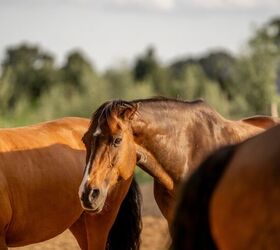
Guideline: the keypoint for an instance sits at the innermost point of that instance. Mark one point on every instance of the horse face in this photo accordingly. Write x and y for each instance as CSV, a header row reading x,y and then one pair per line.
x,y
111,157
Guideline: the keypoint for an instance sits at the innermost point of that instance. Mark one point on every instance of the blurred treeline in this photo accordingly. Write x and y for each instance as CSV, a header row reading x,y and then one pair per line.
x,y
33,87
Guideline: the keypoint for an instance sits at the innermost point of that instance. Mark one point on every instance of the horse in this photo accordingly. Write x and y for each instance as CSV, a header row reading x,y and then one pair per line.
x,y
41,167
165,137
232,201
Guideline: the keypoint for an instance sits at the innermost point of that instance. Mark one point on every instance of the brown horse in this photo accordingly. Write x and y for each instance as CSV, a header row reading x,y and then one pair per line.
x,y
167,138
41,167
232,201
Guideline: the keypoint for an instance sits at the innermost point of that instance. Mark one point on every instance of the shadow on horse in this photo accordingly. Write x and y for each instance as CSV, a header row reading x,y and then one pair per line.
x,y
41,167
167,138
232,201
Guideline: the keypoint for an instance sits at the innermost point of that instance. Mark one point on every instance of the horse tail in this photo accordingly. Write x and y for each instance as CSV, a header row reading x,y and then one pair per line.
x,y
125,233
191,227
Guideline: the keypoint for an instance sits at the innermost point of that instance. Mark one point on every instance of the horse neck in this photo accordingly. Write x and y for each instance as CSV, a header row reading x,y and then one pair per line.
x,y
241,131
176,138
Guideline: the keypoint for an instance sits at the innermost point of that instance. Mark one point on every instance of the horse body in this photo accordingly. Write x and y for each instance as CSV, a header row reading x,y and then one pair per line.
x,y
232,200
179,139
37,194
168,137
40,170
249,194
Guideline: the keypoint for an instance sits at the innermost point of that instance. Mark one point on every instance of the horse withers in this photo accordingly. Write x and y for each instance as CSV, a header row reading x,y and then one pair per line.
x,y
167,138
232,201
41,168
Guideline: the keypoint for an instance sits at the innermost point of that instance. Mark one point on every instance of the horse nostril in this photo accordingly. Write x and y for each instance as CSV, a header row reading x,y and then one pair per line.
x,y
95,192
84,196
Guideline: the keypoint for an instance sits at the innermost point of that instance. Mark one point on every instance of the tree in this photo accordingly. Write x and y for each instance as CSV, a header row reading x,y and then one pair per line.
x,y
148,69
145,65
258,67
76,70
218,66
28,71
195,84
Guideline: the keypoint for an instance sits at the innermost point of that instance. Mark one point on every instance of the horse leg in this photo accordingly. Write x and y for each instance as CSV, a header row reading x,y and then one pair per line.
x,y
78,229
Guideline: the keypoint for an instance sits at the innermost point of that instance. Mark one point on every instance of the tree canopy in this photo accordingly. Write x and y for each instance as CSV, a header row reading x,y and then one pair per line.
x,y
34,87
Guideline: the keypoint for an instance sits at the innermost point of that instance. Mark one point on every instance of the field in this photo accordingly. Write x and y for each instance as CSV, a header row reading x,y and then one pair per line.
x,y
154,235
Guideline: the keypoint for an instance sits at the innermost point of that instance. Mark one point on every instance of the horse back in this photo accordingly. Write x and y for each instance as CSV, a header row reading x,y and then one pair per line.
x,y
67,131
262,121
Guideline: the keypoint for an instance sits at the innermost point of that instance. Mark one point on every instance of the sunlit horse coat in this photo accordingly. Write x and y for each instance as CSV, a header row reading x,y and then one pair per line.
x,y
232,201
41,167
167,138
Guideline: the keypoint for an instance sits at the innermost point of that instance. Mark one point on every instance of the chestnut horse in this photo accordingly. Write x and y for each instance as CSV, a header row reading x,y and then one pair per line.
x,y
41,167
167,138
232,201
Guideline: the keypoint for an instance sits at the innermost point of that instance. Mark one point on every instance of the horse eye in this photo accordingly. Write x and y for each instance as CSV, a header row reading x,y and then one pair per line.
x,y
117,141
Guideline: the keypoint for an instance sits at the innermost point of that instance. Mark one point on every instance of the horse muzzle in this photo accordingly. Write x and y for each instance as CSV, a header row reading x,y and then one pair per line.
x,y
92,199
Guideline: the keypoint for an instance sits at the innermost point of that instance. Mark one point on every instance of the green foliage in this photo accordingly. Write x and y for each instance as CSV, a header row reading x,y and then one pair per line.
x,y
141,176
218,66
194,84
145,65
256,76
257,69
34,88
29,71
77,70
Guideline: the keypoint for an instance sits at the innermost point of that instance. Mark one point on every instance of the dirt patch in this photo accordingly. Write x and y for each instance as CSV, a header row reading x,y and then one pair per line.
x,y
154,235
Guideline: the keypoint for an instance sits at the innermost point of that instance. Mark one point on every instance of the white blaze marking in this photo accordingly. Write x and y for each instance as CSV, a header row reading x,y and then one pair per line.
x,y
86,175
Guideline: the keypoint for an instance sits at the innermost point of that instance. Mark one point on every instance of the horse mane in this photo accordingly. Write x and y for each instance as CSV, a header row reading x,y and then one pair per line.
x,y
169,100
103,113
118,107
109,108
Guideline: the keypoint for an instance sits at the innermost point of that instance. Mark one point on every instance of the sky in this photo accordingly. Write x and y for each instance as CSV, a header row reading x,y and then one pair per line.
x,y
111,32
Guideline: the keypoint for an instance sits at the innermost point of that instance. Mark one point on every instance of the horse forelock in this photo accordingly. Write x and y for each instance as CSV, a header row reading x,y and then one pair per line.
x,y
106,111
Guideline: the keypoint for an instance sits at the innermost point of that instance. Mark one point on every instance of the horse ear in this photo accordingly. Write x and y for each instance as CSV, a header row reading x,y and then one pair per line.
x,y
128,112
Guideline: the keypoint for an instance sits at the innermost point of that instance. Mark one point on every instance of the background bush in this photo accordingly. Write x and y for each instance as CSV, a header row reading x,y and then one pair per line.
x,y
33,87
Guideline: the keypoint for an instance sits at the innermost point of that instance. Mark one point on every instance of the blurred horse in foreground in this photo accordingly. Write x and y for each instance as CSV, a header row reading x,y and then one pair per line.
x,y
167,138
232,201
41,167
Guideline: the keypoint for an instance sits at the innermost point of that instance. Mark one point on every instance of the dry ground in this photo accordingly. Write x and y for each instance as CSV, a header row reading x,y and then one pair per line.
x,y
154,235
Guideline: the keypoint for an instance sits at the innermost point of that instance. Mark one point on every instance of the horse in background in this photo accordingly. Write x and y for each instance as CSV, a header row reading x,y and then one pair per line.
x,y
232,201
41,167
167,138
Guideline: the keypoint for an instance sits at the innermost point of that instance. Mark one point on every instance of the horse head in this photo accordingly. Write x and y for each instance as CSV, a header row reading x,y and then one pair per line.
x,y
111,153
